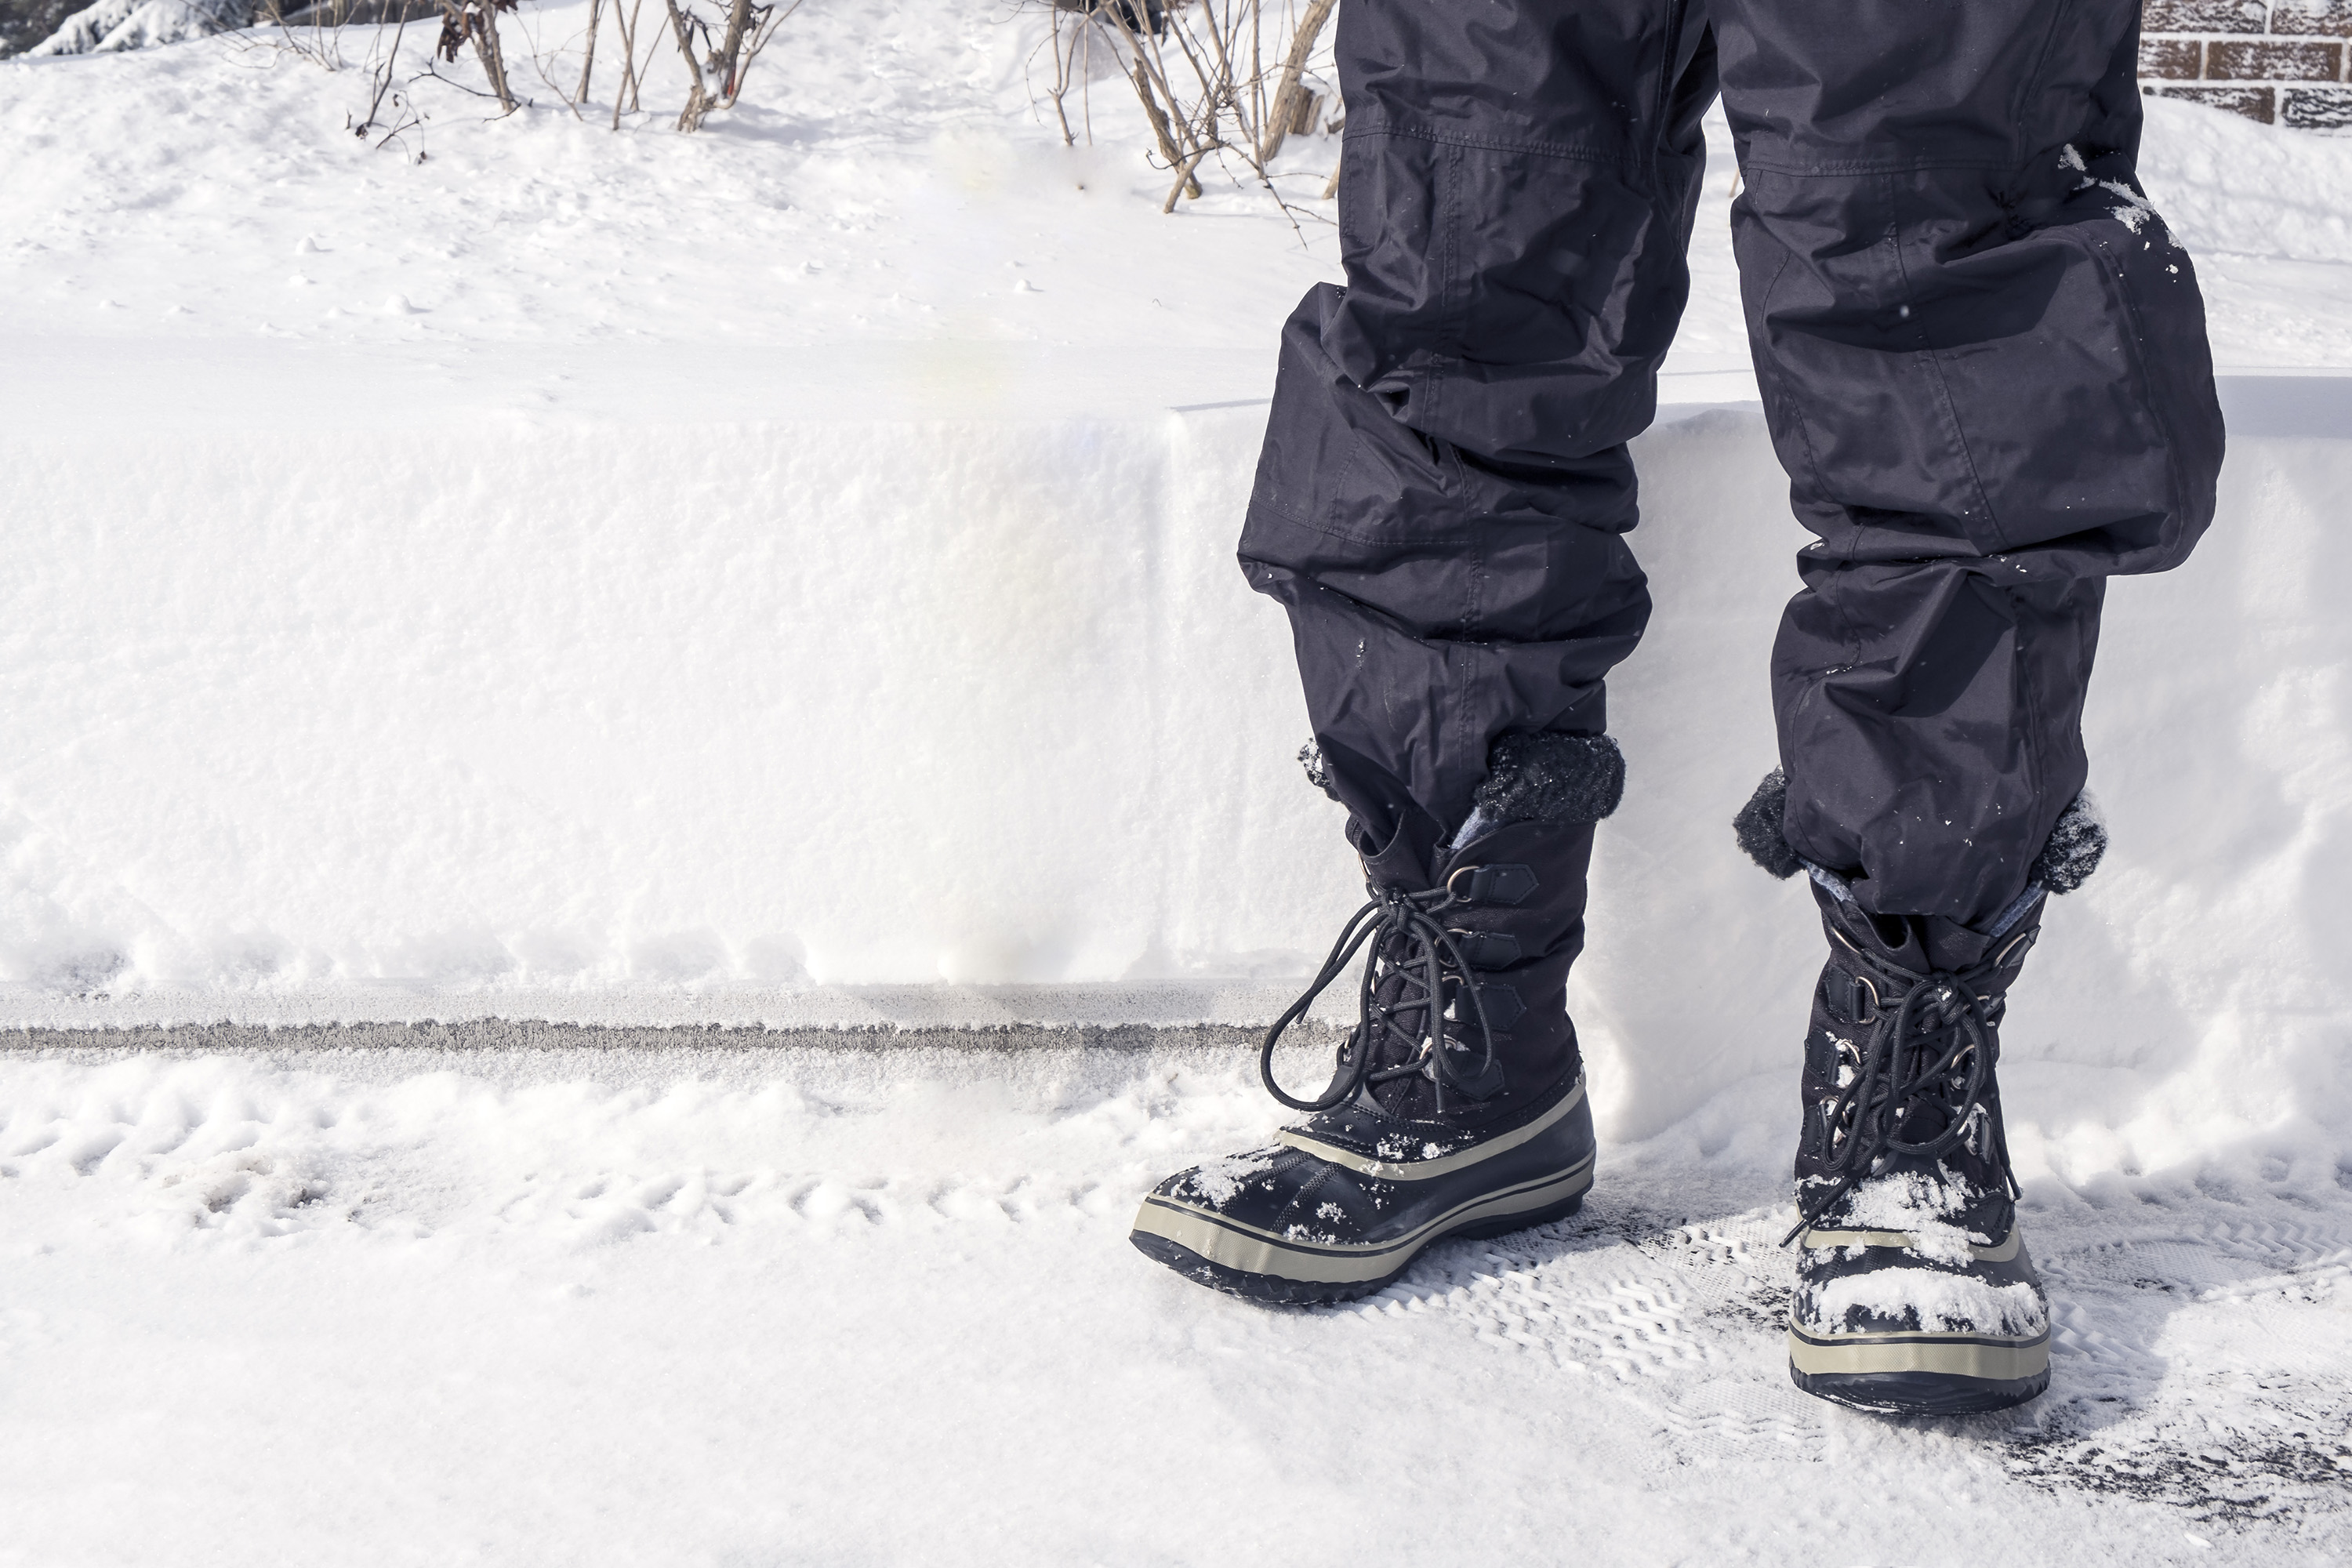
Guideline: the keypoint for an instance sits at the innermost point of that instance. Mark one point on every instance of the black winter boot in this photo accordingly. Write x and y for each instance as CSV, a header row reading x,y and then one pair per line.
x,y
1915,1293
1458,1106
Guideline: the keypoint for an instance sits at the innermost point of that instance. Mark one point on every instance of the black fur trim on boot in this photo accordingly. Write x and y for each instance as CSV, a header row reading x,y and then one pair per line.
x,y
1311,757
1758,828
1550,778
2073,850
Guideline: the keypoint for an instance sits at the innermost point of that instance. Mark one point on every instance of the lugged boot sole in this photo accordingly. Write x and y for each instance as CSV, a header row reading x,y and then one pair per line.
x,y
1920,1392
1920,1374
1275,1290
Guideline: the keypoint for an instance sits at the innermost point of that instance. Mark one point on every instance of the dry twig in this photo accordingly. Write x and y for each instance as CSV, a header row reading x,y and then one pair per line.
x,y
1198,70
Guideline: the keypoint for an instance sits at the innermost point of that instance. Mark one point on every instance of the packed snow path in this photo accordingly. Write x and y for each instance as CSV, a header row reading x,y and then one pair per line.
x,y
745,1306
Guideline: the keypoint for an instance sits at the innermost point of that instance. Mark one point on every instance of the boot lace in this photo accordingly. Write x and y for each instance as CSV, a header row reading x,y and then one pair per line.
x,y
1409,942
1933,1054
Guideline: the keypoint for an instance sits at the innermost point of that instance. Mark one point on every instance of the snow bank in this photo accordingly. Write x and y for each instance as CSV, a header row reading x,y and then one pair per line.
x,y
633,568
2231,187
552,701
547,699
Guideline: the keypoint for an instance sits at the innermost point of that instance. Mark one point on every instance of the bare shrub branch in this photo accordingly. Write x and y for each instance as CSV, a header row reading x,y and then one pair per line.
x,y
1199,72
1293,105
588,55
477,22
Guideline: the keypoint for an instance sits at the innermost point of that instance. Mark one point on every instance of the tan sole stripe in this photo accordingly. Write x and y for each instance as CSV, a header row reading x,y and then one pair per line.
x,y
1254,1251
1446,1164
1825,1239
1953,1355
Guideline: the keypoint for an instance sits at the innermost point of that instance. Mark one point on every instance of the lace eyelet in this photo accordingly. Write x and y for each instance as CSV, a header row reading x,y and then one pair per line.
x,y
1862,987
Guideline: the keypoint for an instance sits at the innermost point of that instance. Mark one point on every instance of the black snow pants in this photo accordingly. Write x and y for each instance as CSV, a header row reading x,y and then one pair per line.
x,y
1983,360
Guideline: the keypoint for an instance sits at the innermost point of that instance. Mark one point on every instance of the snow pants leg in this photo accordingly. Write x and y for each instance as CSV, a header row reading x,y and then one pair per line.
x,y
1984,363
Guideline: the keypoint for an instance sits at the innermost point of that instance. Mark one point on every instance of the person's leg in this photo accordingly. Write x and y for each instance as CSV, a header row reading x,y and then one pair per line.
x,y
1984,364
1441,507
1983,361
1445,490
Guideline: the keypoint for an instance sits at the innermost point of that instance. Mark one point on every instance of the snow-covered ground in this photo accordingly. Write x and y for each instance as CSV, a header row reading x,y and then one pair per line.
x,y
645,579
741,1308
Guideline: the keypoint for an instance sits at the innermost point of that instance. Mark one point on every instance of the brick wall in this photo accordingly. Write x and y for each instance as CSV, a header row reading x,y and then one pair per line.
x,y
2278,61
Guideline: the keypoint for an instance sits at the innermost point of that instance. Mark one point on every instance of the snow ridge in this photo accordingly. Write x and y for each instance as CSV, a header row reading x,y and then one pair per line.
x,y
112,25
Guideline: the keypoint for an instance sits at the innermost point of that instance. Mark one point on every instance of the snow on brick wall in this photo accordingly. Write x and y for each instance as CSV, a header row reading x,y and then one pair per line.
x,y
2280,62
